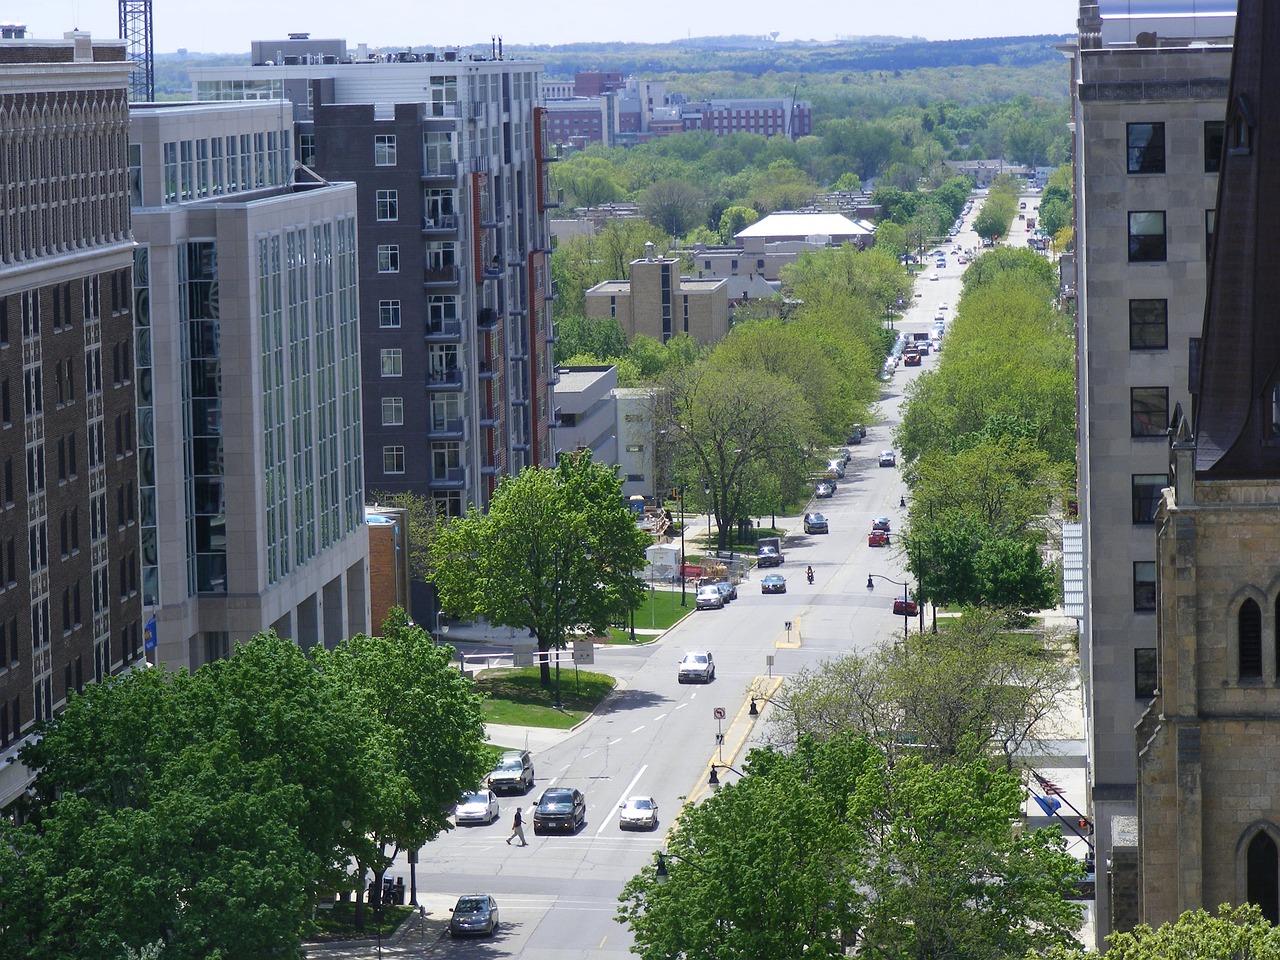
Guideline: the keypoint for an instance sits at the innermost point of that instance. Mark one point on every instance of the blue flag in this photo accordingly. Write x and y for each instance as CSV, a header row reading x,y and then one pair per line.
x,y
1049,805
149,634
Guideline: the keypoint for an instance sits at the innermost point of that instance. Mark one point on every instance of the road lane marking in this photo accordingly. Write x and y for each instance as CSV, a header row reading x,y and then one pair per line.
x,y
682,706
625,793
638,729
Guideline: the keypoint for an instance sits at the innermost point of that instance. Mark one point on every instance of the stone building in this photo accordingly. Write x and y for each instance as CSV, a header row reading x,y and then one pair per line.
x,y
1209,744
658,302
1149,95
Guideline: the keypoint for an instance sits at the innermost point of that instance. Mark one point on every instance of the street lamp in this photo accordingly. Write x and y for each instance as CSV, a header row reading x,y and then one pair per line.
x,y
706,492
441,628
713,781
905,606
683,600
661,874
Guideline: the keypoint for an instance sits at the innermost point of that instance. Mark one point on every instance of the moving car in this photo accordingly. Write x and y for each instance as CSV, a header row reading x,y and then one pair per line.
x,y
888,459
560,808
911,358
473,914
478,806
697,665
709,597
878,538
768,556
773,583
880,523
815,523
638,813
513,774
823,491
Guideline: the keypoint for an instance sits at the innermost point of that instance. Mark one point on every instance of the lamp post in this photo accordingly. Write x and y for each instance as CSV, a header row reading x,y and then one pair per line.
x,y
906,601
706,492
441,628
713,781
684,602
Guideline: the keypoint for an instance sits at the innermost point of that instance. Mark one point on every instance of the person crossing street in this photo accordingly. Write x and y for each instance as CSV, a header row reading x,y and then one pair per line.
x,y
517,829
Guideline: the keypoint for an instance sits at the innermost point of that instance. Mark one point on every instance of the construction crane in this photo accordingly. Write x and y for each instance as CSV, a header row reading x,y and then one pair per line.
x,y
135,31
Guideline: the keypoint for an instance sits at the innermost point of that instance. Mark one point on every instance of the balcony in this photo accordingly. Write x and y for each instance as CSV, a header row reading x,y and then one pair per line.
x,y
440,170
449,477
487,370
450,379
454,428
488,416
550,202
518,353
445,223
494,220
553,292
553,333
487,318
444,330
441,276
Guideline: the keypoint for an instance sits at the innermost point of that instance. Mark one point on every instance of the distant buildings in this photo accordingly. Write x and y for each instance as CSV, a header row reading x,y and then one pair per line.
x,y
249,440
660,303
70,511
450,162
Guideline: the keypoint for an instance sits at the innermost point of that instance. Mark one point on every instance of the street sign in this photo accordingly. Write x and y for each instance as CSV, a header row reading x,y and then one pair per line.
x,y
718,713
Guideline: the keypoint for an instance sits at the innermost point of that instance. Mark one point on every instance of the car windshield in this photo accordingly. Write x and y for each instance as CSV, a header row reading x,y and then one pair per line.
x,y
640,804
818,518
695,659
508,766
471,905
475,798
558,801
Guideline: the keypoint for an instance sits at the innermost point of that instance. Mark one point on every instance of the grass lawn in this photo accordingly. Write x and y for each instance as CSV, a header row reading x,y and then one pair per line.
x,y
340,922
516,696
656,612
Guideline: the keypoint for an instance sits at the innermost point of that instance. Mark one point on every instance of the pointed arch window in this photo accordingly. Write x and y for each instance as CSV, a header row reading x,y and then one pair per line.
x,y
1249,624
1262,875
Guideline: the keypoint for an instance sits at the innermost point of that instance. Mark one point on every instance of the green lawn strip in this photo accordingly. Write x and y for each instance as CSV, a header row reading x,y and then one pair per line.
x,y
659,611
516,696
340,922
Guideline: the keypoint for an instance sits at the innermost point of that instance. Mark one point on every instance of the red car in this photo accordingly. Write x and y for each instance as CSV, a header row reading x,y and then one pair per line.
x,y
878,538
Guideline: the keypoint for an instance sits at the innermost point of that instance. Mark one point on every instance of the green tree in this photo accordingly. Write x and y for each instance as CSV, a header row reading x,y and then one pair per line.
x,y
596,337
557,553
1236,932
400,684
674,206
734,220
422,523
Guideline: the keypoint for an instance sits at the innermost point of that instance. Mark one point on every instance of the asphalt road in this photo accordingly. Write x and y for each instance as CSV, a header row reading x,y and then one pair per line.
x,y
558,896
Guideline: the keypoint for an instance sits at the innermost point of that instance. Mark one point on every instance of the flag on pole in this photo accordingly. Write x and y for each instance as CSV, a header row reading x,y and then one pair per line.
x,y
1049,805
149,635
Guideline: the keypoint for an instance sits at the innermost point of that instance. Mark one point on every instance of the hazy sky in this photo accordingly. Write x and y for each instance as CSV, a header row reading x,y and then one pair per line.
x,y
228,26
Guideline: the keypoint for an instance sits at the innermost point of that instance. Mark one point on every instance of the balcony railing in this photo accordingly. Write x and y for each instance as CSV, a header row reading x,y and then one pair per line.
x,y
440,276
447,222
441,169
449,425
445,379
444,329
449,476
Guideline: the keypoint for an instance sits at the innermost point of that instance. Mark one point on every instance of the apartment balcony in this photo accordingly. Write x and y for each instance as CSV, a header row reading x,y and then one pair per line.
x,y
488,416
551,202
449,429
440,170
553,292
487,318
450,379
487,370
518,353
449,478
494,220
441,276
445,223
444,330
553,333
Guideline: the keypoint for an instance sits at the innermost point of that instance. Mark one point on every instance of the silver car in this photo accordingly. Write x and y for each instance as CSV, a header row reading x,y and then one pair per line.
x,y
638,813
479,806
709,597
474,914
697,666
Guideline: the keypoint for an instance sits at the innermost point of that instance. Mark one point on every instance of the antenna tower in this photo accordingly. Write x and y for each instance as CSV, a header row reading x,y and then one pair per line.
x,y
135,31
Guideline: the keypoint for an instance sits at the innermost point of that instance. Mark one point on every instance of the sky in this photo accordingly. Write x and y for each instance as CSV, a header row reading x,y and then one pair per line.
x,y
229,26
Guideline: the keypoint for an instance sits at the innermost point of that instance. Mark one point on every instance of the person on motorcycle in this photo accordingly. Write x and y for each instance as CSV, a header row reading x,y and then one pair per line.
x,y
809,573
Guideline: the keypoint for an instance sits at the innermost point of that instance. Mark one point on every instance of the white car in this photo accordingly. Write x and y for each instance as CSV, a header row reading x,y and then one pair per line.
x,y
479,806
638,813
709,598
887,458
697,665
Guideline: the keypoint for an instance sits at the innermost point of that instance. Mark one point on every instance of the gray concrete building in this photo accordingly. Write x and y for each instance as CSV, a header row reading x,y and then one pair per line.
x,y
248,364
70,602
450,158
1149,94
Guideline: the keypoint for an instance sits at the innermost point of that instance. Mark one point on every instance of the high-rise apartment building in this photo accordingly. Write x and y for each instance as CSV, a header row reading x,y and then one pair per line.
x,y
70,601
1149,93
248,381
449,156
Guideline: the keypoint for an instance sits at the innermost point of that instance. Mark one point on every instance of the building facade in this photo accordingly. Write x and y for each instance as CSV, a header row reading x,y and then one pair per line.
x,y
450,160
657,302
1148,113
70,601
248,362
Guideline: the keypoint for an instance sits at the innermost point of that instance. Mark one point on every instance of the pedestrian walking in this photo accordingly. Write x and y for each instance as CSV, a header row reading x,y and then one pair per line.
x,y
517,829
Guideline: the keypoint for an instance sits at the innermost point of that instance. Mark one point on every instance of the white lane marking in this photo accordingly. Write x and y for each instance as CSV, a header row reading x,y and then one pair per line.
x,y
638,729
682,706
612,742
625,793
661,716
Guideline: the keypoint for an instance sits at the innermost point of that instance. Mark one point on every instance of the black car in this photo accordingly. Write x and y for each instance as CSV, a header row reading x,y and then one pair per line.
x,y
560,808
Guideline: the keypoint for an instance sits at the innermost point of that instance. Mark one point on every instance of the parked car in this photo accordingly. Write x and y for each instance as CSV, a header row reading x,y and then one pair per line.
x,y
845,457
905,608
823,491
836,466
697,665
513,774
773,583
878,538
888,459
708,597
473,914
479,806
560,808
727,589
880,523
815,523
638,813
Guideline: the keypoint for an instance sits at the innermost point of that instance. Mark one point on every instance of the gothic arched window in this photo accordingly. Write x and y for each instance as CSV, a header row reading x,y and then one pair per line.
x,y
1262,876
1249,622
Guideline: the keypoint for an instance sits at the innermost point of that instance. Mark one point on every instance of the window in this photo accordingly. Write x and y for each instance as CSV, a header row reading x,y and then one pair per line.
x,y
635,448
389,314
389,258
1144,586
393,459
1146,147
1146,495
392,362
1147,242
1262,876
1249,639
392,411
1210,222
1148,324
1148,411
388,205
384,150
1214,134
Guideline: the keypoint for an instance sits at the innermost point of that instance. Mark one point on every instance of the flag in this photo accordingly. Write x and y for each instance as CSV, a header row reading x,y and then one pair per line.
x,y
1049,805
149,635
